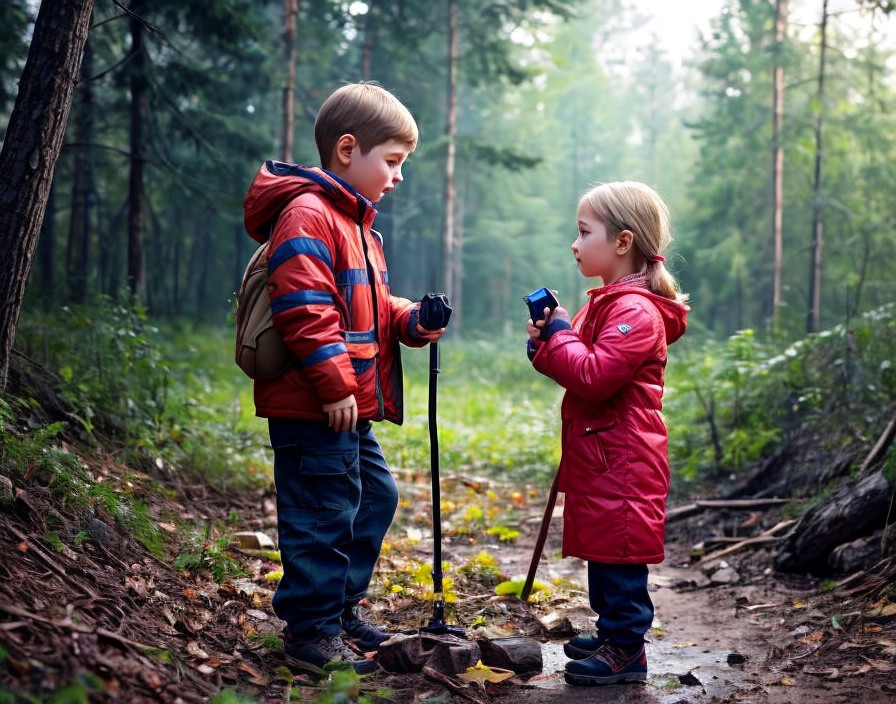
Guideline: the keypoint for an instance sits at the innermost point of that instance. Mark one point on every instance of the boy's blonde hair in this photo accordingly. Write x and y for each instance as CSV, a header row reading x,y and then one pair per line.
x,y
367,111
633,206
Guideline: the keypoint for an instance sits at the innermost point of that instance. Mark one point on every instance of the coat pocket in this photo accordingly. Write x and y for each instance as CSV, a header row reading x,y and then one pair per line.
x,y
587,431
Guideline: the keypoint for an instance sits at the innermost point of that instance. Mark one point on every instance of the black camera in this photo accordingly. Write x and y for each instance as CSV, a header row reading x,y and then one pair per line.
x,y
538,301
435,311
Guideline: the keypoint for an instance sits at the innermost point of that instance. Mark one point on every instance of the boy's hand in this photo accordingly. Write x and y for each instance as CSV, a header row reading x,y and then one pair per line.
x,y
535,329
429,335
342,415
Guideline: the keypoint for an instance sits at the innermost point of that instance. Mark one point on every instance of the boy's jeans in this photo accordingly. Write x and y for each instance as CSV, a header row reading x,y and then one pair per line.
x,y
336,498
619,596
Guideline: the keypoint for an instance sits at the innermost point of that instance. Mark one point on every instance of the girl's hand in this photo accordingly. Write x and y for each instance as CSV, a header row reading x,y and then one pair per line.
x,y
535,329
560,313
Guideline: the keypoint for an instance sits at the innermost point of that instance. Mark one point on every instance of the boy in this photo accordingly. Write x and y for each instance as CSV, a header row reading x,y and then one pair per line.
x,y
331,302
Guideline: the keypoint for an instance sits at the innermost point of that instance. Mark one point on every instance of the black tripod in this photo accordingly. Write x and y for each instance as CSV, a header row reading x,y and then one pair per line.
x,y
435,312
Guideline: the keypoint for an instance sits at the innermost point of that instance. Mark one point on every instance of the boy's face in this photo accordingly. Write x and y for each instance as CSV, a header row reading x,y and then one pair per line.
x,y
375,173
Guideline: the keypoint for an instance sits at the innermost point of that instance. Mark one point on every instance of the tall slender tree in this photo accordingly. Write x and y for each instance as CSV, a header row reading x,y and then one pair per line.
x,y
781,9
31,148
290,13
813,317
450,246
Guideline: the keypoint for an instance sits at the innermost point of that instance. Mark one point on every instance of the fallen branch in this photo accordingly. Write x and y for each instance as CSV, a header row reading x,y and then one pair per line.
x,y
765,537
77,627
880,447
692,509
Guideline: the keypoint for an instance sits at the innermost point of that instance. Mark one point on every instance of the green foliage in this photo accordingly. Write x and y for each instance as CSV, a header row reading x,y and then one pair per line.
x,y
160,391
210,556
230,696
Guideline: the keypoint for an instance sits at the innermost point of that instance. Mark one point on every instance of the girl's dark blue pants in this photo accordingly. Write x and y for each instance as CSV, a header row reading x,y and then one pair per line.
x,y
619,596
336,498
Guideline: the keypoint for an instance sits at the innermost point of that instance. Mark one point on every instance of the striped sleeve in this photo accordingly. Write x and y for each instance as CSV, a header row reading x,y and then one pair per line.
x,y
305,302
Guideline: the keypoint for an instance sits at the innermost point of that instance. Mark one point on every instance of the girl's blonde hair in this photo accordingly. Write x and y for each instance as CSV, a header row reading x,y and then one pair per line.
x,y
633,206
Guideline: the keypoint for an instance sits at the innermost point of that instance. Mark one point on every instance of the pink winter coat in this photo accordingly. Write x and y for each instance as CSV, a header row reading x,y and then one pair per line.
x,y
614,469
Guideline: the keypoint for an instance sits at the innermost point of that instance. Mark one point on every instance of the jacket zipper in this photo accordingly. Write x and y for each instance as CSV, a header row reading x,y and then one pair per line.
x,y
371,276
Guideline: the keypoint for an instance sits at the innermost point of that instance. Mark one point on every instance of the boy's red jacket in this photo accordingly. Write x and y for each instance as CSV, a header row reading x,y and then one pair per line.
x,y
323,256
614,468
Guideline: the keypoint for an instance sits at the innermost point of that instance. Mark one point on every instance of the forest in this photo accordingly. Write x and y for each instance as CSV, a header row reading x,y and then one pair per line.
x,y
136,482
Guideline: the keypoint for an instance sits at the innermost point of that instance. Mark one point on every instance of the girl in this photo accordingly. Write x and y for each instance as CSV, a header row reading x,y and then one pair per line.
x,y
614,469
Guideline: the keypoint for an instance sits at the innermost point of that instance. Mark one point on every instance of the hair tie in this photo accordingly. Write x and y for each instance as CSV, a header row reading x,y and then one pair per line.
x,y
657,258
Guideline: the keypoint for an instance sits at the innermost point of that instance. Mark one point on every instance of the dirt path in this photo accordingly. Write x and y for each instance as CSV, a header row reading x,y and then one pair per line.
x,y
698,627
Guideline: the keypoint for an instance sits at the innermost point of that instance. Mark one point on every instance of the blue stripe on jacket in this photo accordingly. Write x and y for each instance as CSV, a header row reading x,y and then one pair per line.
x,y
299,298
324,353
296,246
351,277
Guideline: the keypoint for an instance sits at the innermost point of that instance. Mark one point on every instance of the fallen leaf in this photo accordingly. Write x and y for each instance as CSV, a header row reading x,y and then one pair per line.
x,y
197,652
788,681
880,665
257,676
484,673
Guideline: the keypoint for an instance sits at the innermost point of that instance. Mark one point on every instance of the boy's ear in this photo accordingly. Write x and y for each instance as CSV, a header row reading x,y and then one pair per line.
x,y
342,152
624,241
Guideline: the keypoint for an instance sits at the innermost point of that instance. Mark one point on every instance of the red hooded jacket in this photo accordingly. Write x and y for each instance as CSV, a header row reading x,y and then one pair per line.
x,y
614,469
343,331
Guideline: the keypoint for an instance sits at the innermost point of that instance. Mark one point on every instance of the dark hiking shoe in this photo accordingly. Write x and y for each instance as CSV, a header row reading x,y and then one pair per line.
x,y
582,646
609,664
326,653
365,635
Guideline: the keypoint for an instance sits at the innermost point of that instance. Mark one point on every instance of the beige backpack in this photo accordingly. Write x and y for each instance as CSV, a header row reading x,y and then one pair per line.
x,y
260,350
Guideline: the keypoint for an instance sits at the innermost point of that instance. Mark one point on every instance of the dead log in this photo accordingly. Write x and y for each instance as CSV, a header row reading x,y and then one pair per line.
x,y
852,511
679,512
522,655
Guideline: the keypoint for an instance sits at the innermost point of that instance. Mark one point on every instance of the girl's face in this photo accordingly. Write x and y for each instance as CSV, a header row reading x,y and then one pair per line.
x,y
593,249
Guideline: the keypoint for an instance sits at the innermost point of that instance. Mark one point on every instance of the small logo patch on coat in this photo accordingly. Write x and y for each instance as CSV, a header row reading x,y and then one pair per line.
x,y
624,328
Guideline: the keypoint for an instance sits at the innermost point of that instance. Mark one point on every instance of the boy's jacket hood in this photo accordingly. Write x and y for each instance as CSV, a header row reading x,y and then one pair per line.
x,y
277,183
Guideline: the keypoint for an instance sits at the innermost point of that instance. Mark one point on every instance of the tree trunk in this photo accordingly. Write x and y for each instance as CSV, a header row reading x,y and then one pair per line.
x,y
78,251
139,98
850,512
449,245
369,42
290,12
31,148
813,319
46,248
778,161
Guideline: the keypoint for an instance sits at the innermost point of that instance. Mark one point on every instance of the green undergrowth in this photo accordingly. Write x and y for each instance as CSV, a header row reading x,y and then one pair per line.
x,y
174,402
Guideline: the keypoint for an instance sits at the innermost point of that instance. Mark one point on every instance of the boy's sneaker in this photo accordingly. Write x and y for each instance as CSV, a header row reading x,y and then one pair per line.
x,y
364,634
326,653
582,646
610,664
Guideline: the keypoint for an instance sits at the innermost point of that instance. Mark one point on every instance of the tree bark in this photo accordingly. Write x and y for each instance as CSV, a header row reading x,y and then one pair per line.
x,y
449,244
139,99
813,319
290,13
778,161
31,148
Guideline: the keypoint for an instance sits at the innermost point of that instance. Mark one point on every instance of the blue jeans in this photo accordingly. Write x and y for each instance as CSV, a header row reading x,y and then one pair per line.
x,y
336,498
619,596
